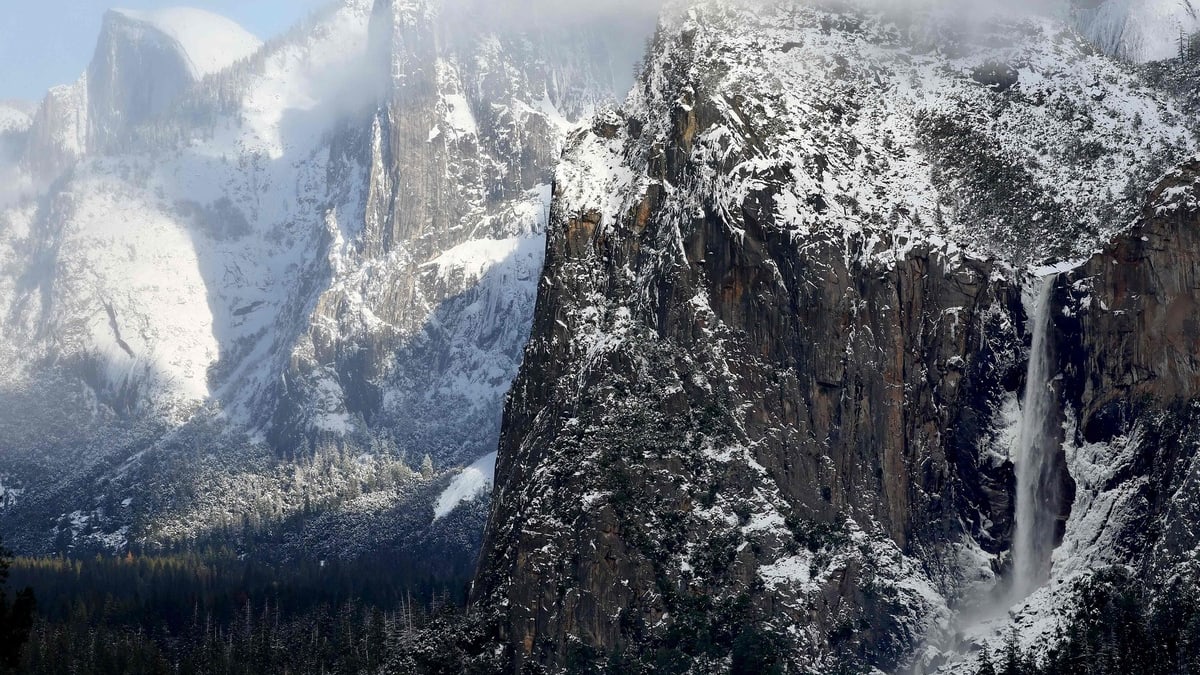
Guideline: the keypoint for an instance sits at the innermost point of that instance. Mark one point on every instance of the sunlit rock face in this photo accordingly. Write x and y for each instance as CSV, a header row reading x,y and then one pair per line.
x,y
423,326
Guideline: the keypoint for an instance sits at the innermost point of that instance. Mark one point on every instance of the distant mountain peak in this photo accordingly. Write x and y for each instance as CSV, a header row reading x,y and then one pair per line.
x,y
144,61
209,41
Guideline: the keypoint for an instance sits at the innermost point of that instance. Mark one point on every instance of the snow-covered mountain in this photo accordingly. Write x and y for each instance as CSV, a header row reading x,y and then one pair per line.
x,y
145,61
334,238
143,64
771,319
207,43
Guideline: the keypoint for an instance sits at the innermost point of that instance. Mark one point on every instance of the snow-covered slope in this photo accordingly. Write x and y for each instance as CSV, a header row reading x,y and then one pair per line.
x,y
1138,30
874,134
162,260
14,116
475,480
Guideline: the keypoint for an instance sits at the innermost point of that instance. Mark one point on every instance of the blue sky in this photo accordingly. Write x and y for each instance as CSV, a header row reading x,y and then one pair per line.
x,y
49,42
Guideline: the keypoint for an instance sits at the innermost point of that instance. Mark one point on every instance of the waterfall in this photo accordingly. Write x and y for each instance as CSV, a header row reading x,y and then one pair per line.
x,y
1038,484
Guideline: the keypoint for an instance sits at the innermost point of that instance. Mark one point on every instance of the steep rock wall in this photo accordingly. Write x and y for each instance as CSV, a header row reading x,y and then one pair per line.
x,y
422,327
780,339
1131,345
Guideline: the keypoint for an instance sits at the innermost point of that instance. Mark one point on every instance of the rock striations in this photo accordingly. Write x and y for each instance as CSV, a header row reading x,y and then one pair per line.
x,y
423,326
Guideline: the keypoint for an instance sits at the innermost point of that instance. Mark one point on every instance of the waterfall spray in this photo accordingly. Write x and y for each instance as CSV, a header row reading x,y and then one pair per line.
x,y
1037,482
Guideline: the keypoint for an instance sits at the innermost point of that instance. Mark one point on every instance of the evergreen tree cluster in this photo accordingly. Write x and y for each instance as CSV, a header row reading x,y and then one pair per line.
x,y
1121,627
172,589
219,612
348,638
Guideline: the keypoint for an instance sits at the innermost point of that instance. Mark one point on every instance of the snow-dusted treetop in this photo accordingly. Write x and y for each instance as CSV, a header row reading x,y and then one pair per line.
x,y
210,42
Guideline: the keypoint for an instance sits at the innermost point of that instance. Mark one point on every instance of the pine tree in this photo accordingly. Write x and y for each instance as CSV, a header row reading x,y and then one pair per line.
x,y
985,666
1013,662
376,641
427,466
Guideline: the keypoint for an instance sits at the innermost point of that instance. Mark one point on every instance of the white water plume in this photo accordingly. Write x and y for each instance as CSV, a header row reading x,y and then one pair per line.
x,y
1037,481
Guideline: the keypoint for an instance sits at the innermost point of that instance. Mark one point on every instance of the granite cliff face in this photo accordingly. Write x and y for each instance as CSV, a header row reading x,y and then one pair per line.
x,y
1135,304
773,381
1127,326
58,135
422,329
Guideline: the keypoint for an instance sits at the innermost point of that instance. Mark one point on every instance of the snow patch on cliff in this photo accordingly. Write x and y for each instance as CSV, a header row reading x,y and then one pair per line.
x,y
475,258
14,118
472,482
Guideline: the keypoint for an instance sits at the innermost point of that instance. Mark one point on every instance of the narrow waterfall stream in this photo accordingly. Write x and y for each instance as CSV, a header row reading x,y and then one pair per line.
x,y
1039,498
1038,486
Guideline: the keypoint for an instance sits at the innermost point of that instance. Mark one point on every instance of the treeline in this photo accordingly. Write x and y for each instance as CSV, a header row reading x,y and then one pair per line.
x,y
16,617
348,638
176,589
1119,628
218,612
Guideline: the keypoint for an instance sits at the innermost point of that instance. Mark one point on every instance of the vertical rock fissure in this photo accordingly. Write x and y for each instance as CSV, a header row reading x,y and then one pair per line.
x,y
1038,484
